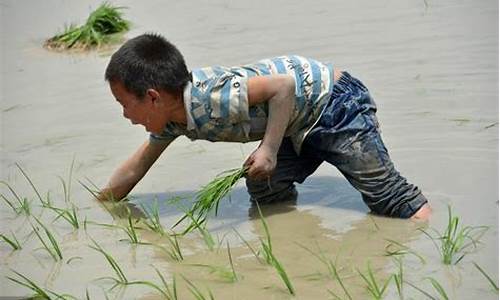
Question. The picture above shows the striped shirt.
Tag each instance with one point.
(216, 101)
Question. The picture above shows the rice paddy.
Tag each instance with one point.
(103, 26)
(223, 270)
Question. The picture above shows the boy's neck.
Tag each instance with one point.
(178, 111)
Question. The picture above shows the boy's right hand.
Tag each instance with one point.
(261, 163)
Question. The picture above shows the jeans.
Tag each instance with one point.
(347, 136)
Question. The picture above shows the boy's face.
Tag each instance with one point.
(151, 111)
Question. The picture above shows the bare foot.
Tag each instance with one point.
(423, 213)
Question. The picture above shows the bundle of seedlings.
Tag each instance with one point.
(208, 198)
(103, 26)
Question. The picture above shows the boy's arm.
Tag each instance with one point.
(279, 92)
(128, 174)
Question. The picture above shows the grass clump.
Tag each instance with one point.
(208, 198)
(38, 292)
(455, 240)
(102, 26)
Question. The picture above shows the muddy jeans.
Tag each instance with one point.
(348, 137)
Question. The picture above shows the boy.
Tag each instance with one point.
(303, 111)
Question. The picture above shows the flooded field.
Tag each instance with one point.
(432, 67)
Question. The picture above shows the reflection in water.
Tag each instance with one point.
(292, 229)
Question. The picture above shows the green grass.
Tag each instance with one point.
(455, 241)
(269, 256)
(38, 292)
(104, 25)
(490, 280)
(374, 288)
(13, 242)
(208, 198)
(50, 245)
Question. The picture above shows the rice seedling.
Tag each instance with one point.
(153, 219)
(70, 215)
(54, 250)
(235, 277)
(490, 280)
(332, 269)
(24, 205)
(396, 249)
(120, 278)
(398, 277)
(453, 241)
(420, 290)
(205, 234)
(271, 258)
(438, 287)
(169, 293)
(196, 292)
(13, 242)
(255, 253)
(44, 203)
(225, 273)
(104, 25)
(174, 249)
(376, 291)
(38, 292)
(209, 197)
(129, 229)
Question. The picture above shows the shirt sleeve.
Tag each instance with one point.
(227, 94)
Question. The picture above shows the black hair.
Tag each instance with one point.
(148, 61)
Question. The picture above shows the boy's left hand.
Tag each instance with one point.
(261, 163)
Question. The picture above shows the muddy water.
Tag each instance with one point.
(432, 67)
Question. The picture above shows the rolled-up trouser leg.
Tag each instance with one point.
(290, 168)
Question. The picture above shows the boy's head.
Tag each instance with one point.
(147, 76)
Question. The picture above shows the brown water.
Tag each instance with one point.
(432, 67)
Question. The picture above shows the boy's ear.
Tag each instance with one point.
(153, 95)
